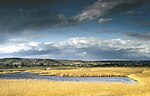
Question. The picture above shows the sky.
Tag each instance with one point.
(75, 29)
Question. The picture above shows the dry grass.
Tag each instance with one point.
(91, 72)
(50, 88)
(9, 72)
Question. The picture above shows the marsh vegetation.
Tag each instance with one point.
(54, 88)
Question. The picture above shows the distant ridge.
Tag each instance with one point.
(31, 62)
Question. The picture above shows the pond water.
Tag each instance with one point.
(27, 75)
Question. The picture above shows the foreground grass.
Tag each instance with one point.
(50, 88)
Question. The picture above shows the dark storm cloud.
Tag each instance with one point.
(18, 19)
(134, 13)
(26, 18)
(19, 15)
(36, 14)
(141, 21)
(143, 36)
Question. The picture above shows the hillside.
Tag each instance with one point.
(23, 62)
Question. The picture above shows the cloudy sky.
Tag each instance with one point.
(75, 29)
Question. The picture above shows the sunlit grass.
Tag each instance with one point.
(51, 88)
(91, 72)
(10, 71)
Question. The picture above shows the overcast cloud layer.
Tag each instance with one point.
(19, 15)
(75, 29)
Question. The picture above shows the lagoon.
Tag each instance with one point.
(27, 75)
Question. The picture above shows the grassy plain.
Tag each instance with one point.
(51, 88)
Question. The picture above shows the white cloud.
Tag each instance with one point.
(101, 8)
(82, 47)
(104, 20)
(82, 54)
(12, 48)
(34, 43)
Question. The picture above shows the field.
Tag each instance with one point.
(51, 88)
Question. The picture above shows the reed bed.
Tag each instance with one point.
(90, 72)
(9, 72)
(51, 88)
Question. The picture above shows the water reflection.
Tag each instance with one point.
(27, 75)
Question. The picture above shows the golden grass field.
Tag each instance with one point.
(52, 88)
